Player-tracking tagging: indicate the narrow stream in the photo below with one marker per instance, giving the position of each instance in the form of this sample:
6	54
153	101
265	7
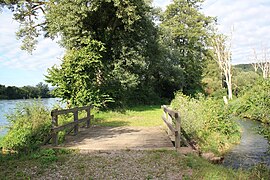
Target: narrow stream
253	148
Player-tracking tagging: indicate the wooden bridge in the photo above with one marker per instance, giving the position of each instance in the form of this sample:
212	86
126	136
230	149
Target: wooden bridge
92	138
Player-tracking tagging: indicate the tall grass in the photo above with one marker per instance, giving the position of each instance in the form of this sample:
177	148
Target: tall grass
28	126
208	121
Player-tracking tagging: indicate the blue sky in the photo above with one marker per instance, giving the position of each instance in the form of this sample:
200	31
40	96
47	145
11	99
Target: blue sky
249	18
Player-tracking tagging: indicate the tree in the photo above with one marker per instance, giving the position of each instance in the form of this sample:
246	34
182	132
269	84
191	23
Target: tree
110	46
185	33
223	58
262	61
43	90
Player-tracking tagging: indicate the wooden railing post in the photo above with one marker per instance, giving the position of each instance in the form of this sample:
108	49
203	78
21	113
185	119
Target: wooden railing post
54	125
76	127
88	117
178	131
168	116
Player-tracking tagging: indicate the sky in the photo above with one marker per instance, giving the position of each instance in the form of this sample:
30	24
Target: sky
249	19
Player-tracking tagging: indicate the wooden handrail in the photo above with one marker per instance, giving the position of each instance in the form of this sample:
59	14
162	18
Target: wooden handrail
168	117
75	124
72	110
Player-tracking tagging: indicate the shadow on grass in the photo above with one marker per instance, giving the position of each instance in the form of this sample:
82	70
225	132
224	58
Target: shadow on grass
102	122
144	108
140	108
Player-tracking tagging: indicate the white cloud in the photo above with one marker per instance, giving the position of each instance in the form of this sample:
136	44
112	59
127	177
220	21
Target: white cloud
250	21
161	3
46	54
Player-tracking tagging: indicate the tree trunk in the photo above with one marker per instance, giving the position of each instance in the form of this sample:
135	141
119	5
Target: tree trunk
229	86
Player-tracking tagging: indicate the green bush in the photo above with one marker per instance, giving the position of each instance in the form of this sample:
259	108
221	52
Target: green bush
244	80
255	103
29	125
208	121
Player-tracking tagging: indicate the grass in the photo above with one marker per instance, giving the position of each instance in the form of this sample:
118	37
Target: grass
126	164
158	164
146	116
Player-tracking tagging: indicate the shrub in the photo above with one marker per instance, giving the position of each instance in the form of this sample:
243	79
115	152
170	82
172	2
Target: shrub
29	125
255	103
208	121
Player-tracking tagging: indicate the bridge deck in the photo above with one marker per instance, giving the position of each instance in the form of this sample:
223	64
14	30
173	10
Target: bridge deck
119	138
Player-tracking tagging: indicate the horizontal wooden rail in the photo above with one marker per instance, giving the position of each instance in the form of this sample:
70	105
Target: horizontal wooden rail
171	112
169	125
71	124
56	112
168	116
74	125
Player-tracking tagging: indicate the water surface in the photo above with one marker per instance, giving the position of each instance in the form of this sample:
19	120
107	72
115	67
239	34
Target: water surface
252	150
7	106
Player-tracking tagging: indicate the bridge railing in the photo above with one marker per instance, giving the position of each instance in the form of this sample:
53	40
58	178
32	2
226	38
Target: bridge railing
174	129
73	125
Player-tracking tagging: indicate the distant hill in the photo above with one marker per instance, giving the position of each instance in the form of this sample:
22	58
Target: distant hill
244	67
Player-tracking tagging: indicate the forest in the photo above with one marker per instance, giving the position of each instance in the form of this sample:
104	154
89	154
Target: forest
41	90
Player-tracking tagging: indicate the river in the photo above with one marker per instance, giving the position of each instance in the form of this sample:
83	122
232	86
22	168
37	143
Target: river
7	106
252	149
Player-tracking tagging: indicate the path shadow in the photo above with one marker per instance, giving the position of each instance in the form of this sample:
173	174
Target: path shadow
115	123
96	133
136	108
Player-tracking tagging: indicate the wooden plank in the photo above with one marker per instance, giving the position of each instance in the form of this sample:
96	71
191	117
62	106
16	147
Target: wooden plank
54	134
56	112
88	122
171	112
76	126
168	124
71	124
177	139
72	110
85	108
178	134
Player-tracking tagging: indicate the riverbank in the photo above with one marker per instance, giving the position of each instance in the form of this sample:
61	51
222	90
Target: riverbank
8	107
252	149
162	164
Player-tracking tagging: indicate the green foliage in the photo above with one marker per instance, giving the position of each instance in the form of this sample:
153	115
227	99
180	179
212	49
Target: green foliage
79	77
185	32
244	80
12	92
255	102
115	63
244	67
46	156
207	121
212	80
264	130
29	125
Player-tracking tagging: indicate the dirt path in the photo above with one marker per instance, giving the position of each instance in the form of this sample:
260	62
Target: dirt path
119	138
